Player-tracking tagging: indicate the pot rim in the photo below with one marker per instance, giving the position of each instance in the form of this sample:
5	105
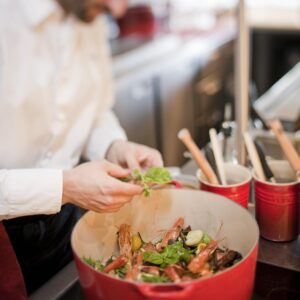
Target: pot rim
246	181
276	184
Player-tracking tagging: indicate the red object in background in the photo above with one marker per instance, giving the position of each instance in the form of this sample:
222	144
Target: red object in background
138	20
12	285
237	193
235	283
177	184
277	210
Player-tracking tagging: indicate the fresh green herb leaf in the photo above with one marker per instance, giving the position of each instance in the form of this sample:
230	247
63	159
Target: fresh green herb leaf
206	239
158	175
154	278
171	254
95	263
138	175
121	272
152	176
154	258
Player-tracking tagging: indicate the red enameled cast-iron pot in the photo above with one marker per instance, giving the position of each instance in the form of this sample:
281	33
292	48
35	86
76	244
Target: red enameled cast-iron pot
95	236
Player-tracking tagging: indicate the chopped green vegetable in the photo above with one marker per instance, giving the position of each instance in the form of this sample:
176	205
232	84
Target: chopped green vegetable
95	263
171	254
154	278
206	239
121	272
152	176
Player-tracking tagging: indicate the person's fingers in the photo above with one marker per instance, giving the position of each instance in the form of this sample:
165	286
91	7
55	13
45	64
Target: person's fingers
119	188
121	199
112	206
115	201
149	157
102	207
116	171
111	210
105	209
155	159
132	161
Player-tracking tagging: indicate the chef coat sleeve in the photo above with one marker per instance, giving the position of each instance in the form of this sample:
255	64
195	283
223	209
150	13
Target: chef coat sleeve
107	128
30	192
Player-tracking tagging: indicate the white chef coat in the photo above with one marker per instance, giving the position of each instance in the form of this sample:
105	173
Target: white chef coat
55	102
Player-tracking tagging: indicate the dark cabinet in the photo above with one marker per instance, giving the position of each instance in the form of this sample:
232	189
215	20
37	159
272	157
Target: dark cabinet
211	91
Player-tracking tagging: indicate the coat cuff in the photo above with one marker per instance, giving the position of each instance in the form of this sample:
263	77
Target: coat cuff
31	192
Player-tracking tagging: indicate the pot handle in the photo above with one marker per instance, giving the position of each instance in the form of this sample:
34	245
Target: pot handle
167	291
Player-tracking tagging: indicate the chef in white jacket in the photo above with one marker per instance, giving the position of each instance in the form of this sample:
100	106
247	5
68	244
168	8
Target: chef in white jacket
56	96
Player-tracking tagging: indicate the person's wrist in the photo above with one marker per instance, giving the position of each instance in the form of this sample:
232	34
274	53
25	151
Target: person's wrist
68	184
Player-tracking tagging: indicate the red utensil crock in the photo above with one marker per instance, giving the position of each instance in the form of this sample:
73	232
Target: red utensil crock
238	187
277	204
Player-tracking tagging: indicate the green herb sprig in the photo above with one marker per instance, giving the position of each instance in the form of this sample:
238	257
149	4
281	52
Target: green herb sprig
151	177
171	254
94	263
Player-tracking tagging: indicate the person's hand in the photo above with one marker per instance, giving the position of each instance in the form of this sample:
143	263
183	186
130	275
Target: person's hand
133	156
94	186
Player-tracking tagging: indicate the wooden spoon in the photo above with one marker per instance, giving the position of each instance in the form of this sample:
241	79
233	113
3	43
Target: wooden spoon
254	157
185	136
286	145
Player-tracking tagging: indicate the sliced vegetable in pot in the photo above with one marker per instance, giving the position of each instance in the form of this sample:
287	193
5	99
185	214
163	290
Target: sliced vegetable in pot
194	237
136	242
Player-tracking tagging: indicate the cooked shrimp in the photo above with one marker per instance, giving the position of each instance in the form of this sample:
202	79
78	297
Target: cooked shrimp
150	269
149	247
120	261
197	263
171	234
172	274
125	240
134	269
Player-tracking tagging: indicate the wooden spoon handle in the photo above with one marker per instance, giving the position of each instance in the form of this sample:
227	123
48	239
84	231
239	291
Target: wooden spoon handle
185	136
254	157
285	144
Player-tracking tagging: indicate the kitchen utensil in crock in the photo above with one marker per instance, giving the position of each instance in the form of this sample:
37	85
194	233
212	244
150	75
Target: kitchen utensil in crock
185	136
217	154
286	146
254	156
262	157
209	155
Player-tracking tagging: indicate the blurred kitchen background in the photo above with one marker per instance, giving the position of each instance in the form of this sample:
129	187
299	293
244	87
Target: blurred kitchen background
174	67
